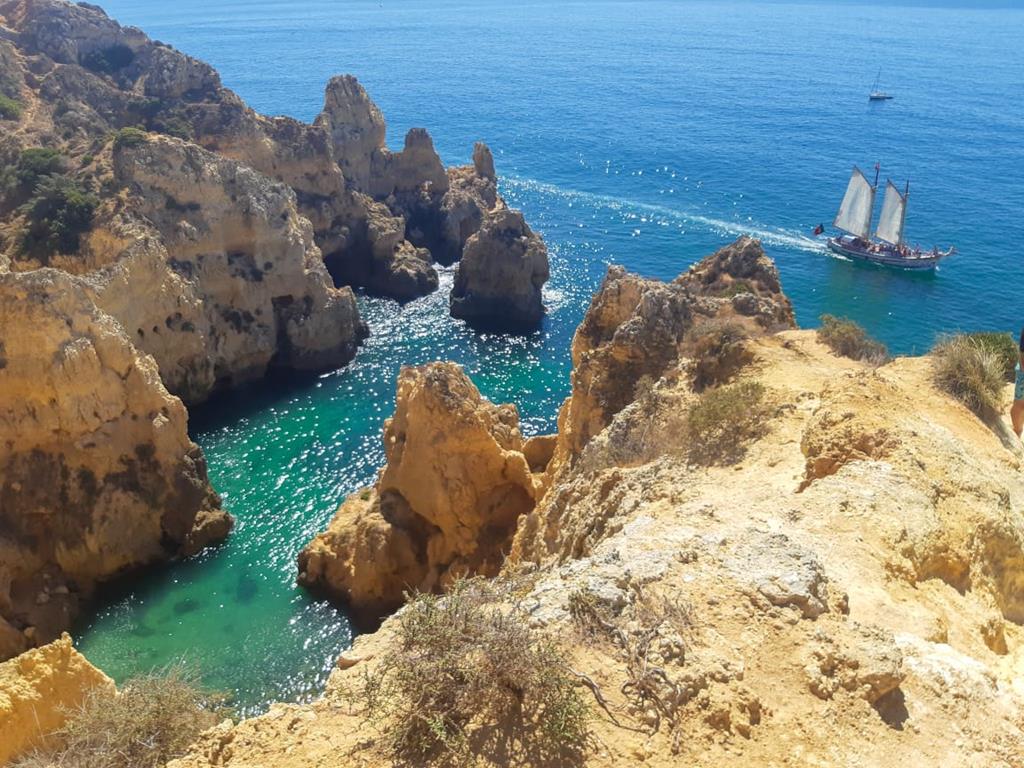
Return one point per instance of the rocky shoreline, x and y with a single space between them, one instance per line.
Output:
151 222
739 548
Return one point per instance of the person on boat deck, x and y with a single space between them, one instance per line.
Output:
1017 409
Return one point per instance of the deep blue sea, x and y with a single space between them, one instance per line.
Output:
642 133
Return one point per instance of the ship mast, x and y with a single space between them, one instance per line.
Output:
874 191
903 213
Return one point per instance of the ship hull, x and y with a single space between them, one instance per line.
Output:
886 256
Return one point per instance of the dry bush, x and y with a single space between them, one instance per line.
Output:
846 338
651 637
971 372
717 352
723 420
152 719
1003 346
469 677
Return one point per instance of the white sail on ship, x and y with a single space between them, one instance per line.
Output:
887 246
894 214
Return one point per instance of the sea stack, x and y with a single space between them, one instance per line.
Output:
499 280
446 503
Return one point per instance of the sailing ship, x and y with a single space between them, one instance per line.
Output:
887 246
877 95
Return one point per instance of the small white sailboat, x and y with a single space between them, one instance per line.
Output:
887 246
876 94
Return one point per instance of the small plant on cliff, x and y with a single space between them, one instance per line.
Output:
468 676
59 212
716 352
971 371
130 137
846 338
153 719
723 420
10 109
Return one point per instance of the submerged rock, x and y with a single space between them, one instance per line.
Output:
97 472
446 503
504 267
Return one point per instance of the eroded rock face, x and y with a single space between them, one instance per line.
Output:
848 593
634 328
227 281
38 689
445 504
504 267
97 472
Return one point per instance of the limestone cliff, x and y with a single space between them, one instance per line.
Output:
846 591
97 472
445 504
37 690
221 279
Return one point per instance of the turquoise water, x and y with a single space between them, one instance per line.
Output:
643 133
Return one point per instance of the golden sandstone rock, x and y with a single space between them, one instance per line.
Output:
36 691
97 472
445 504
846 593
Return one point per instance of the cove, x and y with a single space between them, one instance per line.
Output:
651 135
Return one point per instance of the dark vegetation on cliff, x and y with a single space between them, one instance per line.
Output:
846 338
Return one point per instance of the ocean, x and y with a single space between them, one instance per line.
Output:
641 133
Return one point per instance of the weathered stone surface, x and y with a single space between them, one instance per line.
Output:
224 280
763 613
634 328
97 472
445 504
38 689
503 268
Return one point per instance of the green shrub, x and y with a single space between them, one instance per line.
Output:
1003 346
10 109
846 338
467 676
174 125
36 163
130 137
735 288
723 420
109 60
57 215
716 352
970 371
152 720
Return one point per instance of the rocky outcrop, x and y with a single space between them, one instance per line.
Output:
445 504
380 218
846 593
221 280
97 472
38 689
503 268
635 328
